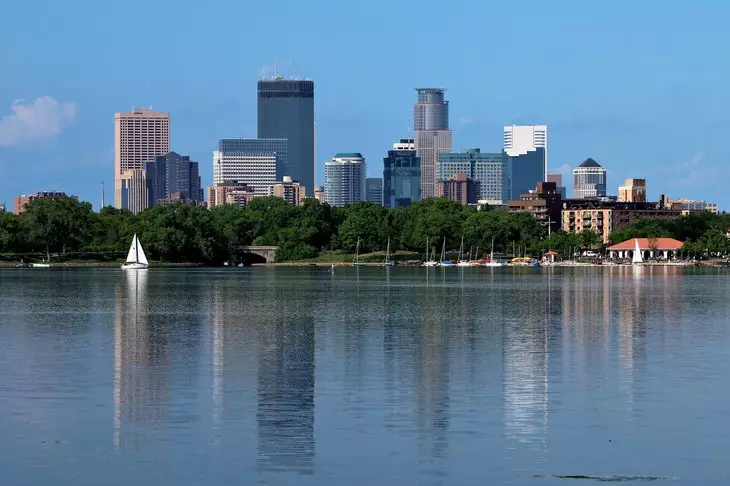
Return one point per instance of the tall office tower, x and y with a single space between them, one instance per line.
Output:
589 180
344 178
173 176
526 150
489 170
251 161
286 110
374 190
557 178
140 135
633 190
133 191
401 175
432 135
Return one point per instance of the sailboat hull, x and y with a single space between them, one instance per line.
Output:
134 266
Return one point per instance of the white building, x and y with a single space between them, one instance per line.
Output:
526 147
344 179
249 161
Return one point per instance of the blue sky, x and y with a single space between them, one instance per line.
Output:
638 86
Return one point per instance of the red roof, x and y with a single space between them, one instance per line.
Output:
551 253
646 244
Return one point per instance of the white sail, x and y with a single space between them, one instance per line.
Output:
637 253
141 257
132 255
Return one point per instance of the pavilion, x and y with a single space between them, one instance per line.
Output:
663 248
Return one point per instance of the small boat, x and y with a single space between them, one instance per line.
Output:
492 262
444 262
388 262
356 262
40 265
136 259
429 262
461 262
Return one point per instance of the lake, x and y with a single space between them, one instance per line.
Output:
361 376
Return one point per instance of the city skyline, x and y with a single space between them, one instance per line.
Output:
590 109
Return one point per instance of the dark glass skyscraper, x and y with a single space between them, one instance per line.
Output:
401 175
286 110
173 174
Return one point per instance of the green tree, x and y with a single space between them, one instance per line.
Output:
57 225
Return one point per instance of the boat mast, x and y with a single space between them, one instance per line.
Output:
136 249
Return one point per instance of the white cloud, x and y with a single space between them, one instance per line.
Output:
41 118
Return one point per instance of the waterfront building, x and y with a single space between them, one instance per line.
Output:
133 191
345 179
589 180
286 111
374 190
544 203
660 248
236 193
319 194
251 161
289 190
21 201
489 170
170 174
432 135
401 175
140 135
633 190
557 178
460 188
605 215
689 206
526 150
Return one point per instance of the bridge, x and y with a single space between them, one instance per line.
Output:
268 253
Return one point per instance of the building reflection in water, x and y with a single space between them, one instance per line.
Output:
285 412
141 365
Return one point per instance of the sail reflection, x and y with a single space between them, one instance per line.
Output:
141 381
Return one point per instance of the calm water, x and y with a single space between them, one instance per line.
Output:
364 376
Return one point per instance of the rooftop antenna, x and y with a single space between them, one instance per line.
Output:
102 194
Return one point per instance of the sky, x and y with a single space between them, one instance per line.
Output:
641 87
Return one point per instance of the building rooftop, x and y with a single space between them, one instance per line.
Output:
589 162
348 155
647 243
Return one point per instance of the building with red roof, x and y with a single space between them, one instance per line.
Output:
663 248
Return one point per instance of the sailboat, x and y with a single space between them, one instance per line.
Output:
430 262
462 262
136 259
444 261
388 262
637 258
492 262
357 253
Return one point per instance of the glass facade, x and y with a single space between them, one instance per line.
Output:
432 136
252 161
374 190
488 169
170 174
525 171
286 110
401 178
345 179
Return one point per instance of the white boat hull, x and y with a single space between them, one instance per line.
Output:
134 266
40 265
494 264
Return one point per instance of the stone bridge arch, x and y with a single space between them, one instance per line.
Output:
266 252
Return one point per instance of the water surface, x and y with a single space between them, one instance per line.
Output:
364 376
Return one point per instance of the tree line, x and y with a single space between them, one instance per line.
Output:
182 233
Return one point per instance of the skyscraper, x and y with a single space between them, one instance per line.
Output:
401 175
432 135
139 136
286 111
589 180
374 190
633 190
252 161
173 174
133 190
488 169
526 149
344 179
557 178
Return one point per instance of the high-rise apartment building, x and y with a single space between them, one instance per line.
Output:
488 169
401 175
526 148
289 190
432 135
374 190
236 193
251 161
633 190
458 187
173 174
345 179
133 190
589 180
286 111
319 194
140 135
557 179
